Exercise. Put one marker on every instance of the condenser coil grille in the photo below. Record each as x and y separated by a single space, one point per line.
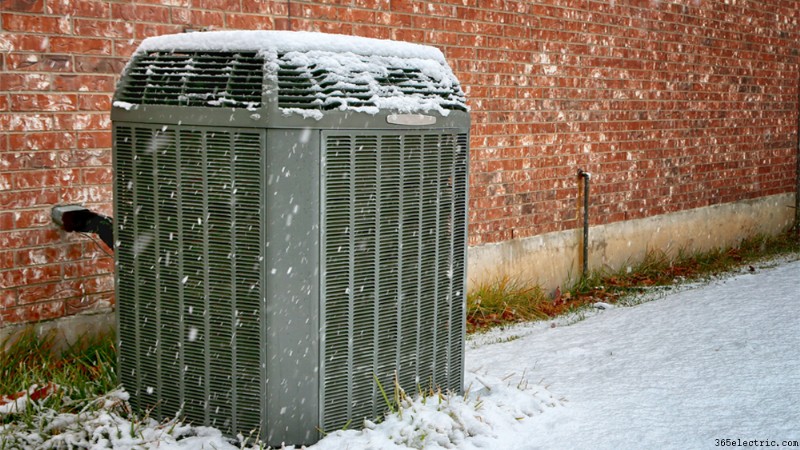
393 242
215 79
189 205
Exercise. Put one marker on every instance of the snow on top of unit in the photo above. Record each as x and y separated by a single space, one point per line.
332 72
351 82
288 41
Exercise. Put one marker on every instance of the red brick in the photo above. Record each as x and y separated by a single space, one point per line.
27 6
6 221
103 175
173 3
39 62
85 268
140 13
31 218
249 22
104 28
80 45
356 15
85 158
79 8
11 279
283 23
96 102
32 122
266 7
91 121
83 83
211 19
145 30
35 24
94 140
24 82
43 178
15 42
85 194
43 102
407 6
31 160
221 5
38 256
32 275
51 291
103 283
29 238
311 11
32 313
42 141
96 65
125 48
28 199
376 32
184 16
103 301
6 259
332 27
8 299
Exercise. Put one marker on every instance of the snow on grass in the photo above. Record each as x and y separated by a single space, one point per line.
104 423
486 416
492 414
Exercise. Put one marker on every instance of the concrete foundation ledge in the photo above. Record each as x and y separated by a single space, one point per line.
554 259
68 330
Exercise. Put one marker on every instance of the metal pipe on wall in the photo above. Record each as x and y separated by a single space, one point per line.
797 180
586 180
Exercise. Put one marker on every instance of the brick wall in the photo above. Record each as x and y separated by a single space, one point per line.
671 105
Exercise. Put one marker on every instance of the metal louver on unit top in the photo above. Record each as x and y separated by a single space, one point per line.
216 79
305 83
296 239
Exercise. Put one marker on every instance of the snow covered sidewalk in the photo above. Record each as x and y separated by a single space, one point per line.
716 362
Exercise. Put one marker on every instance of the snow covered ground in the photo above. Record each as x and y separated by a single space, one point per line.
721 361
705 367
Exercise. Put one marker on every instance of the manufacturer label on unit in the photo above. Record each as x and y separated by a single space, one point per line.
411 119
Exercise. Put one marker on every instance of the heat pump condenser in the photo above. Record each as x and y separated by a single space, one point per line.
290 215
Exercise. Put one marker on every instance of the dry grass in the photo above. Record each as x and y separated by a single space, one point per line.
508 300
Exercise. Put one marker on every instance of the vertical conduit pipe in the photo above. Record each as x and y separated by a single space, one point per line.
797 180
586 179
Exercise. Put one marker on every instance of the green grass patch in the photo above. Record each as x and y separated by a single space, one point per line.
64 381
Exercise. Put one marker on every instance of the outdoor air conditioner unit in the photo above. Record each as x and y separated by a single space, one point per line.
290 214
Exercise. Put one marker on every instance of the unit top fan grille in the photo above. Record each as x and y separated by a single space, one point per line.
210 79
307 82
318 80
